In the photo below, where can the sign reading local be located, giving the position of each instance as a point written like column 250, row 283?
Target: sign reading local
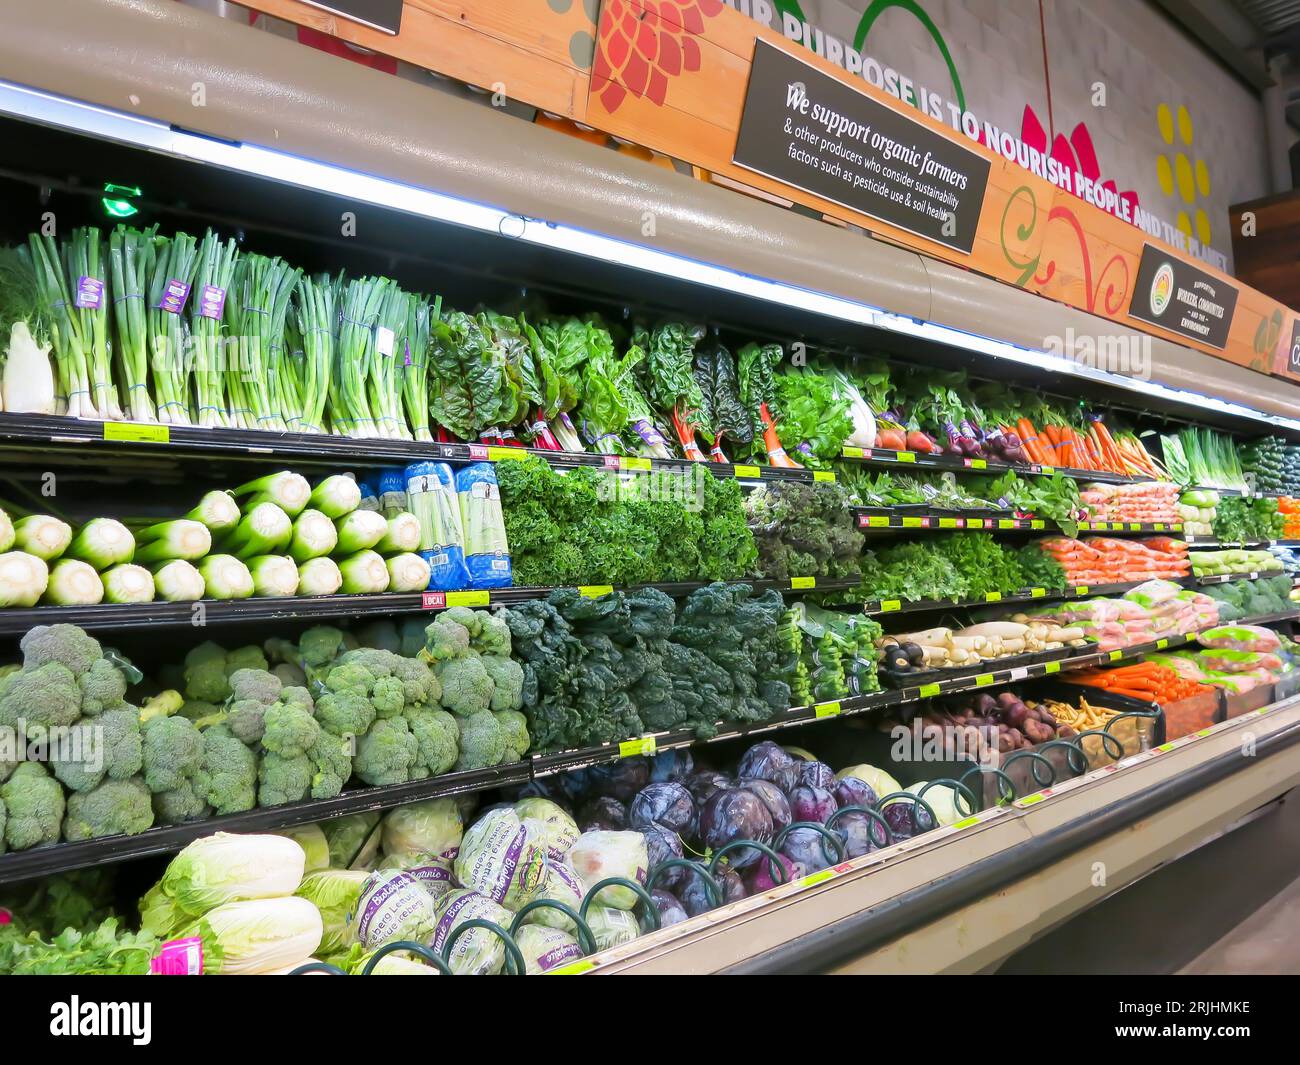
column 813, row 131
column 1177, row 296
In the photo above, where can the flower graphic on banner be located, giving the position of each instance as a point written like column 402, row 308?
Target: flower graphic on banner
column 1077, row 153
column 644, row 43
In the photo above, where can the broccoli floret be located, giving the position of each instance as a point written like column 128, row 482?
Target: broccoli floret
column 290, row 730
column 35, row 805
column 466, row 686
column 350, row 676
column 379, row 662
column 43, row 695
column 103, row 687
column 320, row 645
column 231, row 771
column 387, row 697
column 438, row 736
column 331, row 759
column 467, row 618
column 482, row 744
column 445, row 639
column 172, row 752
column 205, row 673
column 345, row 713
column 419, row 685
column 291, row 676
column 186, row 803
column 281, row 780
column 386, row 753
column 114, row 808
column 507, row 681
column 65, row 644
column 493, row 637
column 195, row 709
column 109, row 746
column 252, row 692
column 514, row 734
column 164, row 704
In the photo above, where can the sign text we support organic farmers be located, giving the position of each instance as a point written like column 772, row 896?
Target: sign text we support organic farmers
column 814, row 132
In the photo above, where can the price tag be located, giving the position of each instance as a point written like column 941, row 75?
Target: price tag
column 1204, row 732
column 478, row 452
column 854, row 453
column 638, row 464
column 1115, row 656
column 1118, row 526
column 947, row 523
column 877, row 521
column 826, row 710
column 149, row 434
column 1031, row 800
column 1038, row 523
column 433, row 600
column 505, row 454
column 1160, row 526
column 1051, row 667
column 890, row 605
column 574, row 968
column 819, row 877
column 992, row 597
column 1080, row 589
column 1161, row 644
column 914, row 523
column 824, row 475
column 907, row 456
column 1165, row 748
column 1037, row 593
column 979, row 464
column 630, row 748
column 747, row 471
column 1049, row 470
column 928, row 691
column 1135, row 526
column 1006, row 523
column 1019, row 673
column 477, row 598
column 966, row 823
column 594, row 591
column 984, row 680
column 384, row 339
column 800, row 583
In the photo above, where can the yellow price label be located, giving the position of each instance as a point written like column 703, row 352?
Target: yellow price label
column 1080, row 589
column 1030, row 800
column 979, row 464
column 992, row 597
column 747, row 471
column 1118, row 526
column 1051, row 667
column 505, row 454
column 630, row 748
column 852, row 453
column 966, row 823
column 1006, row 523
column 148, row 434
column 1115, row 656
column 913, row 523
column 800, row 583
column 1165, row 747
column 819, row 877
column 1037, row 593
column 929, row 691
column 574, row 968
column 1135, row 526
column 826, row 710
column 947, row 523
column 907, row 456
column 888, row 605
column 1204, row 732
column 1161, row 644
column 878, row 521
column 469, row 598
column 1038, row 523
column 1160, row 526
column 625, row 463
column 984, row 680
column 594, row 591
column 824, row 475
column 1049, row 470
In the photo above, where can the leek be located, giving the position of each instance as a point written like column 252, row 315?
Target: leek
column 178, row 581
column 336, row 496
column 128, row 583
column 23, row 578
column 264, row 530
column 319, row 576
column 360, row 531
column 6, row 532
column 74, row 583
column 288, row 491
column 102, row 542
column 131, row 256
column 407, row 573
column 403, row 534
column 313, row 535
column 273, row 575
column 364, row 573
column 43, row 536
column 183, row 538
column 225, row 577
column 217, row 510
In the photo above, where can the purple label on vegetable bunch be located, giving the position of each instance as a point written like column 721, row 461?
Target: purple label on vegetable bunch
column 174, row 296
column 648, row 432
column 561, row 955
column 90, row 293
column 805, row 448
column 212, row 302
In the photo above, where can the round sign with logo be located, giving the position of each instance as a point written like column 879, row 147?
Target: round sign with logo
column 1162, row 288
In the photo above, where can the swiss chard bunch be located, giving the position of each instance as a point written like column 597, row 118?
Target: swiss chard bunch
column 473, row 389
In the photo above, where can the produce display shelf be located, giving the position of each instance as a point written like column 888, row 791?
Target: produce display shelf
column 1024, row 595
column 901, row 518
column 1210, row 541
column 1131, row 526
column 954, row 464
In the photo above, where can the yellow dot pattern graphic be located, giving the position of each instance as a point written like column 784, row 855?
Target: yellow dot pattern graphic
column 1179, row 174
column 1165, row 175
column 1186, row 183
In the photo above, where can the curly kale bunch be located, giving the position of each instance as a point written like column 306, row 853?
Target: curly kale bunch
column 804, row 530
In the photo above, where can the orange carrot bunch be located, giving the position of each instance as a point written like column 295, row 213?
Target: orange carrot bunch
column 1148, row 681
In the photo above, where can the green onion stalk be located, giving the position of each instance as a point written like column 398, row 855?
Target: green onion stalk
column 413, row 356
column 385, row 392
column 315, row 321
column 73, row 396
column 360, row 302
column 208, row 308
column 132, row 254
column 285, row 392
column 87, row 269
column 169, row 289
column 263, row 287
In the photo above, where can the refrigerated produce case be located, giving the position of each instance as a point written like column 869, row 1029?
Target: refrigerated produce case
column 473, row 205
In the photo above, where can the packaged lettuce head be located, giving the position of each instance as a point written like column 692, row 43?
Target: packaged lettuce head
column 313, row 843
column 433, row 871
column 546, row 948
column 562, row 884
column 611, row 927
column 392, row 904
column 480, row 951
column 353, row 841
column 503, row 857
column 334, row 892
column 561, row 829
column 599, row 855
column 397, row 963
column 432, row 827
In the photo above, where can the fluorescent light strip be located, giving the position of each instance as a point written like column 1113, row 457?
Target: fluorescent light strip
column 46, row 108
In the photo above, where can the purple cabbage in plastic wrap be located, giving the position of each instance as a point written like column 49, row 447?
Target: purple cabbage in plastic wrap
column 671, row 911
column 705, row 782
column 778, row 806
column 859, row 833
column 695, row 895
column 619, row 780
column 769, row 761
column 758, row 877
column 853, row 791
column 661, row 846
column 808, row 850
column 668, row 804
column 732, row 814
column 812, row 804
column 672, row 765
column 817, row 775
column 602, row 813
column 899, row 815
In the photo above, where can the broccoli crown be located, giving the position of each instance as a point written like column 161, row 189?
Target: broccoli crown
column 186, row 803
column 110, row 745
column 278, row 651
column 348, row 712
column 252, row 693
column 386, row 753
column 445, row 639
column 349, row 676
column 250, row 657
column 507, row 681
column 299, row 696
column 231, row 771
column 103, row 687
column 35, row 805
column 438, row 736
column 419, row 685
column 114, row 808
column 467, row 618
column 320, row 645
column 65, row 644
column 290, row 729
column 388, row 696
column 331, row 759
column 258, row 684
column 172, row 752
column 209, row 667
column 466, row 686
column 281, row 780
column 493, row 637
column 42, row 695
column 514, row 734
column 482, row 744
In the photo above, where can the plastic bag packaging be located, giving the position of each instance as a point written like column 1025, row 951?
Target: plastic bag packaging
column 561, row 884
column 480, row 951
column 1225, row 660
column 546, row 948
column 487, row 555
column 392, row 904
column 611, row 927
column 392, row 492
column 369, row 496
column 561, row 829
column 503, row 857
column 1241, row 638
column 431, row 497
column 430, row 827
column 600, row 855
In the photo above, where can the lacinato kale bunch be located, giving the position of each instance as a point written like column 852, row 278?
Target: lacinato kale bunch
column 804, row 530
